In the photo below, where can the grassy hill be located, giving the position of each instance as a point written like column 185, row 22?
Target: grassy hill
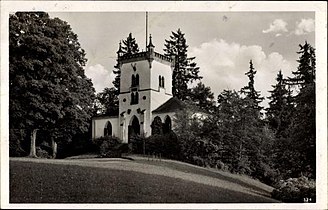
column 127, row 181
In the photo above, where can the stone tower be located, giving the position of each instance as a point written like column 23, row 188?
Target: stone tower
column 146, row 83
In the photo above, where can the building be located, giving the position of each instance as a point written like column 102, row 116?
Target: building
column 145, row 96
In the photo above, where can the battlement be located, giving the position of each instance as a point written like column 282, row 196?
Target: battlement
column 145, row 56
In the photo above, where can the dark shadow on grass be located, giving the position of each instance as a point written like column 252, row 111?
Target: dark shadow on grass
column 50, row 183
column 205, row 172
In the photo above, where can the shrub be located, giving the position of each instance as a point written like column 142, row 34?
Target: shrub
column 17, row 138
column 109, row 146
column 295, row 190
column 42, row 153
column 164, row 144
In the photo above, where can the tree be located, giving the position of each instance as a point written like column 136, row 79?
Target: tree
column 48, row 89
column 108, row 101
column 202, row 97
column 249, row 90
column 303, row 129
column 129, row 47
column 305, row 73
column 280, row 107
column 185, row 70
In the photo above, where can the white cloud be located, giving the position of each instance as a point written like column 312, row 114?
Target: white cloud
column 305, row 26
column 100, row 76
column 278, row 25
column 223, row 66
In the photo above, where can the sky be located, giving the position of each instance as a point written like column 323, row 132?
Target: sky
column 222, row 42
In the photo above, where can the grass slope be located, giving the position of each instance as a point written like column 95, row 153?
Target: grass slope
column 33, row 182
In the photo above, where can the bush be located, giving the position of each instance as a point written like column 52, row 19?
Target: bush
column 18, row 146
column 109, row 146
column 295, row 190
column 42, row 153
column 164, row 144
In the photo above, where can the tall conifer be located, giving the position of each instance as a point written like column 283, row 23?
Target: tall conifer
column 185, row 69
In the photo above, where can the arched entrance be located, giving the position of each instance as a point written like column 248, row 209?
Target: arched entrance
column 156, row 126
column 108, row 130
column 167, row 127
column 134, row 127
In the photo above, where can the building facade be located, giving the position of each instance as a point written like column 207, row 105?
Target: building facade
column 145, row 96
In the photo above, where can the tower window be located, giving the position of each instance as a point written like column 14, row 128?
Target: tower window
column 135, row 80
column 134, row 98
column 161, row 81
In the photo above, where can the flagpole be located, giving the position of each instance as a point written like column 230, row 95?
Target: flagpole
column 146, row 30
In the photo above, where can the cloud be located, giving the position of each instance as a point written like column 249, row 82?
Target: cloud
column 278, row 25
column 100, row 77
column 223, row 66
column 305, row 26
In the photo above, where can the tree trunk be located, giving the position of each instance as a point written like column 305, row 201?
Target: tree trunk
column 54, row 148
column 33, row 140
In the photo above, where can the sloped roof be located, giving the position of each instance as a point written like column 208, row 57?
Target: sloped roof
column 173, row 104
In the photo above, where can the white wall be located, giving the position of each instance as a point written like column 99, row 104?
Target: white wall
column 99, row 123
column 127, row 72
column 148, row 87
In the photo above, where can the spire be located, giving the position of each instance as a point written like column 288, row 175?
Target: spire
column 150, row 45
column 120, row 51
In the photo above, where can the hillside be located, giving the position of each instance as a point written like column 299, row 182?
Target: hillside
column 127, row 181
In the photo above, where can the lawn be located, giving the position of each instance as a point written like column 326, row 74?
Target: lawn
column 33, row 182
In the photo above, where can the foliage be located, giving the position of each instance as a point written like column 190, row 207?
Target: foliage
column 303, row 128
column 17, row 143
column 185, row 70
column 164, row 144
column 202, row 97
column 295, row 190
column 249, row 90
column 305, row 73
column 107, row 102
column 109, row 146
column 48, row 89
column 281, row 108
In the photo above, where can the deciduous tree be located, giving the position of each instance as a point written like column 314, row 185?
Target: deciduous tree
column 48, row 89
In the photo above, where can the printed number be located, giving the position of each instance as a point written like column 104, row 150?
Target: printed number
column 306, row 200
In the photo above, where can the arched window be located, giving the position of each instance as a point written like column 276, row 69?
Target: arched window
column 137, row 79
column 108, row 130
column 167, row 127
column 160, row 81
column 156, row 126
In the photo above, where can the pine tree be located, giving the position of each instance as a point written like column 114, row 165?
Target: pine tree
column 249, row 90
column 185, row 69
column 303, row 129
column 305, row 73
column 280, row 107
column 129, row 47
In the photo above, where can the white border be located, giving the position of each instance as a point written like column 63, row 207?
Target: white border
column 320, row 9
